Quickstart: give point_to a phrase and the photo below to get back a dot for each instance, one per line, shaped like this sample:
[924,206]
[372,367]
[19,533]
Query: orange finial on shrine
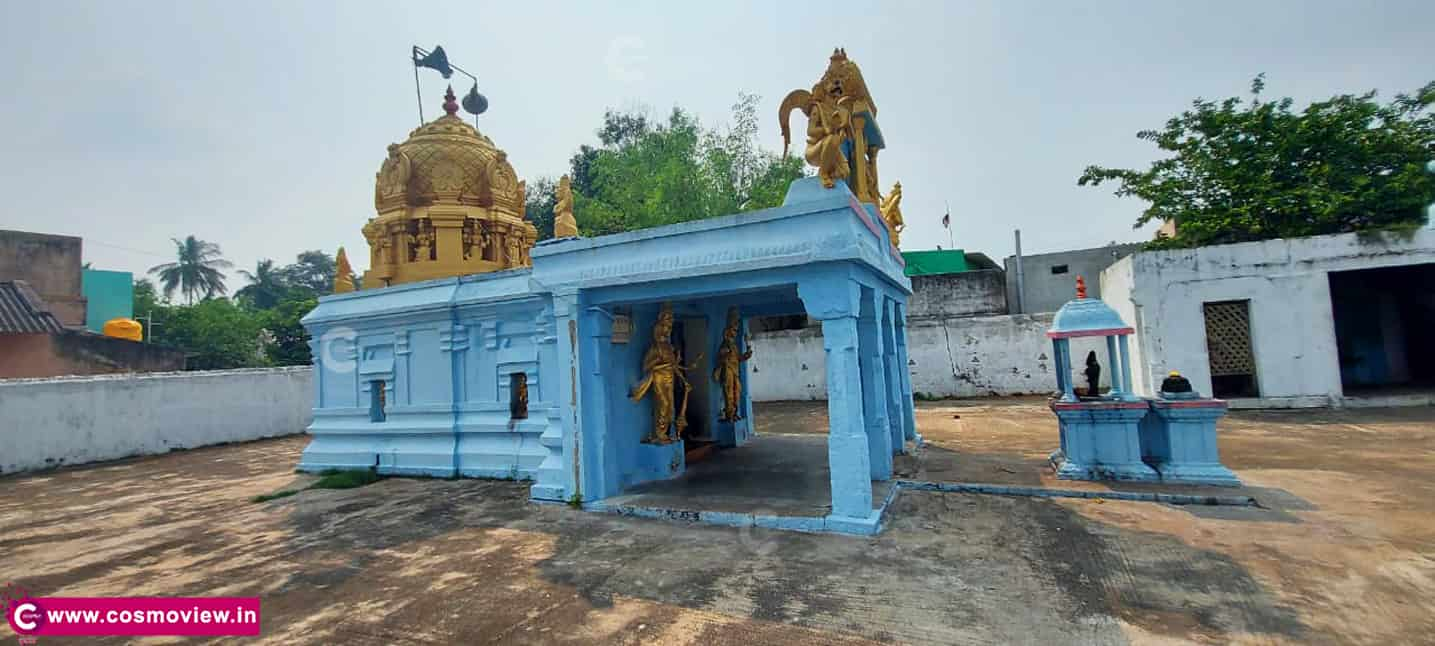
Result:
[1080,287]
[450,102]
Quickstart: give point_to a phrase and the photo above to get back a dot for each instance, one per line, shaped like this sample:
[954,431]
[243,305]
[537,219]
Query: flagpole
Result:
[418,94]
[947,223]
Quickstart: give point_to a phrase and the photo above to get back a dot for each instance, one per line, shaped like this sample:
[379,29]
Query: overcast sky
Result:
[259,126]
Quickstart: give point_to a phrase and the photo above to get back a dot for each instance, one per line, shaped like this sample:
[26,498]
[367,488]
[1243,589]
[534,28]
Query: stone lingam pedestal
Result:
[1178,437]
[1100,434]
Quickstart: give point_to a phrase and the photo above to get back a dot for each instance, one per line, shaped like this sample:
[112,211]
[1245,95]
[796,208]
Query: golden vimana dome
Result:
[449,204]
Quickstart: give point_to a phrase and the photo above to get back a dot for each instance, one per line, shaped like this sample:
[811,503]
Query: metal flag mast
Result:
[473,102]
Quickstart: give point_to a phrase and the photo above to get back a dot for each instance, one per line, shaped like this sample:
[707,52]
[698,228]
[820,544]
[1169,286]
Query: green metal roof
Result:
[940,261]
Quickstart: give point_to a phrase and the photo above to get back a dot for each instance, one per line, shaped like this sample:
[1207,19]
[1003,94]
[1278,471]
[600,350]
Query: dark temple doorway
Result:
[1383,323]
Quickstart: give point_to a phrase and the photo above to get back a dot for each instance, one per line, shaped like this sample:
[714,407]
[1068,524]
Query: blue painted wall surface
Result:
[443,350]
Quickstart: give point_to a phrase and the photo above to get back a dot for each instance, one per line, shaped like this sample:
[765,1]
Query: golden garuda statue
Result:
[564,224]
[662,368]
[891,210]
[343,273]
[842,133]
[728,372]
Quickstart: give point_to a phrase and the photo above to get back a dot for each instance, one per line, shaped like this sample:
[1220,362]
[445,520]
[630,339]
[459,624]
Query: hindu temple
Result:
[590,365]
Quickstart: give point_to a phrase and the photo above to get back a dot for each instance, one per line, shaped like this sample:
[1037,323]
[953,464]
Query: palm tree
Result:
[266,285]
[196,272]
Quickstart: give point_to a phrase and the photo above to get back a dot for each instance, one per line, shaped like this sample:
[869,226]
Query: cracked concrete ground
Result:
[1342,552]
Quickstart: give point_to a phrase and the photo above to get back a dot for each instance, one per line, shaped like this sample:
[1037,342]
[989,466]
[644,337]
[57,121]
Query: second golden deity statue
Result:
[728,373]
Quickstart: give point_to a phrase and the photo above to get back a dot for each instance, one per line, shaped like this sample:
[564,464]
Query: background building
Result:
[1324,320]
[51,309]
[1047,278]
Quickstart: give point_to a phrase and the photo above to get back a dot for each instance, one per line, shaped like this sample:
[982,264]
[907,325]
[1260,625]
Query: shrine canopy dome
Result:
[1086,317]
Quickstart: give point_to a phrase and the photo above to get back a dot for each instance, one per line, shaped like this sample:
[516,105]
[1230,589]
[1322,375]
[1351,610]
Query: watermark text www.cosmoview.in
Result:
[135,616]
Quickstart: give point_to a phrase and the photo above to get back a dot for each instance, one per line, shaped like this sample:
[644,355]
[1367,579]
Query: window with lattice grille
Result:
[1228,345]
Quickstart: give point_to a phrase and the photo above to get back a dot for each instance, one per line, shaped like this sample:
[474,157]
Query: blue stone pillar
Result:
[874,386]
[744,431]
[896,413]
[909,412]
[1061,348]
[1125,367]
[835,299]
[848,456]
[557,475]
[1113,368]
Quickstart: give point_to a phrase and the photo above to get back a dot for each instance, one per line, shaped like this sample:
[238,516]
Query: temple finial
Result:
[1080,287]
[450,102]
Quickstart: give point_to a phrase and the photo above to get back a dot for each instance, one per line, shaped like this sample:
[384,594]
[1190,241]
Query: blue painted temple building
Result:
[474,352]
[419,378]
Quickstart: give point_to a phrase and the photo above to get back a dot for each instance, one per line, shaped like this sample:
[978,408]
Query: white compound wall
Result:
[61,421]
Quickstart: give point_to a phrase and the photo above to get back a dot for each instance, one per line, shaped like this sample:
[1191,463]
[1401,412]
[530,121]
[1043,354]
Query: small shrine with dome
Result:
[1119,436]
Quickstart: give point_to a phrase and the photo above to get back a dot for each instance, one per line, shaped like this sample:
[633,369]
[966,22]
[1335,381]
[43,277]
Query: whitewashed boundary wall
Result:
[74,420]
[976,356]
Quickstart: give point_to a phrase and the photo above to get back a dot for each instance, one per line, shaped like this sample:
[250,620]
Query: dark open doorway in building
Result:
[1383,318]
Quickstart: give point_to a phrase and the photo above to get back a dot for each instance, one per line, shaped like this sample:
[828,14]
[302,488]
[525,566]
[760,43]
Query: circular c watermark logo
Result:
[337,351]
[25,617]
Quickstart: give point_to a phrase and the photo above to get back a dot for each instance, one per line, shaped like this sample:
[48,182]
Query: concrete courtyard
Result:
[1340,550]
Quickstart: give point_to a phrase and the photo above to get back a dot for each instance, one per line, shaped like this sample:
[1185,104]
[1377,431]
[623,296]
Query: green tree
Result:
[312,271]
[650,173]
[216,334]
[1243,170]
[539,207]
[195,272]
[147,306]
[146,299]
[267,286]
[290,342]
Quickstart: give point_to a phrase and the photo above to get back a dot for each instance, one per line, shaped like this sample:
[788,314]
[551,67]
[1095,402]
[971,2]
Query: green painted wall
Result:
[941,261]
[111,294]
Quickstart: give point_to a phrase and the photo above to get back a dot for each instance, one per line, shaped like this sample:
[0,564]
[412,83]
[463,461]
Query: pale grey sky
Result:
[259,125]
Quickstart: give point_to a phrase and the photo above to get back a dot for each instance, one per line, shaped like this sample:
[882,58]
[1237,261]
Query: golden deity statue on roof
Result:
[842,134]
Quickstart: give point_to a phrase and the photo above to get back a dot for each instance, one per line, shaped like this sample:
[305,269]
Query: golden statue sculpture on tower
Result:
[728,373]
[663,369]
[891,210]
[842,134]
[564,224]
[343,273]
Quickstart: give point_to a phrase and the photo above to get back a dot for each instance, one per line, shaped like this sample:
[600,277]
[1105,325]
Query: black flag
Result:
[435,60]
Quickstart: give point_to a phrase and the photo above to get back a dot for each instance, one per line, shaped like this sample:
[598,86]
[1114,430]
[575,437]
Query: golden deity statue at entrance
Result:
[663,369]
[728,373]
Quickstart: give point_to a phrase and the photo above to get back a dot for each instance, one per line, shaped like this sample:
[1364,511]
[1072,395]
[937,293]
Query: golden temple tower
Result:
[449,204]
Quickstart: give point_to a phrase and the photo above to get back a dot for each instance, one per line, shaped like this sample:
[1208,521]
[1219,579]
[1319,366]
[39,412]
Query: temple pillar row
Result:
[874,384]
